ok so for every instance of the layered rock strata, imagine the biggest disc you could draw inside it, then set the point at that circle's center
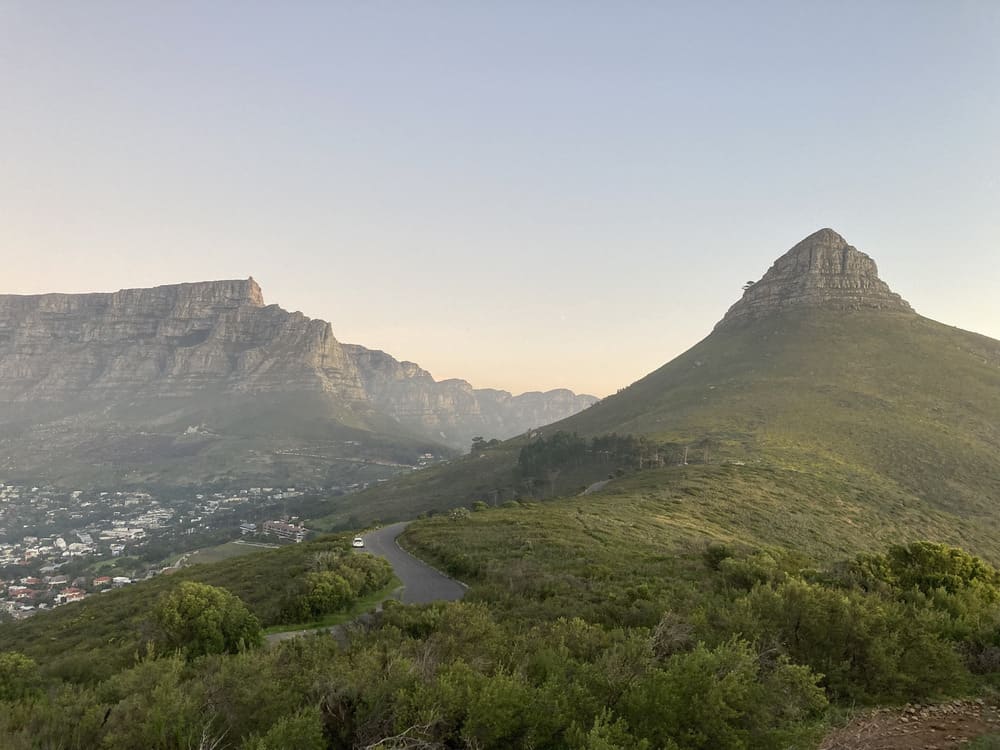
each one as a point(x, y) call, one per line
point(820, 271)
point(452, 410)
point(168, 341)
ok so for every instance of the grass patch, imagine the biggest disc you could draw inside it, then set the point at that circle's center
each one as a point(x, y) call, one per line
point(986, 742)
point(226, 551)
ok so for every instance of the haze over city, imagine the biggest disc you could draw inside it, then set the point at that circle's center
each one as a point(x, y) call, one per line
point(524, 197)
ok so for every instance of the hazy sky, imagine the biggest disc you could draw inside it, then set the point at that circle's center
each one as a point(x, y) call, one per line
point(523, 194)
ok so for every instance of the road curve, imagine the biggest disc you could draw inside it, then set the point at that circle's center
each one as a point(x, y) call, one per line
point(421, 583)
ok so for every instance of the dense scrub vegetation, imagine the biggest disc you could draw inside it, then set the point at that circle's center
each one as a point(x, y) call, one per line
point(918, 622)
point(586, 634)
point(753, 665)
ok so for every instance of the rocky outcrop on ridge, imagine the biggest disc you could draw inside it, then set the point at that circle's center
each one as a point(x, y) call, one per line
point(820, 271)
point(452, 410)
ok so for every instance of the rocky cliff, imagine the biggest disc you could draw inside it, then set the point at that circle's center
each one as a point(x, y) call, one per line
point(452, 410)
point(168, 341)
point(205, 382)
point(187, 383)
point(820, 271)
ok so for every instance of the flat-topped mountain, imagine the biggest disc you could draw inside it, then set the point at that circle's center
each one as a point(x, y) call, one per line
point(185, 383)
point(171, 341)
point(205, 382)
point(820, 271)
point(452, 410)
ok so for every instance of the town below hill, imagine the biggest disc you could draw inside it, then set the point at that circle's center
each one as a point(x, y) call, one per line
point(58, 547)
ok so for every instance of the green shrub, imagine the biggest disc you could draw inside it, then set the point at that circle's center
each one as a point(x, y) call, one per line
point(198, 619)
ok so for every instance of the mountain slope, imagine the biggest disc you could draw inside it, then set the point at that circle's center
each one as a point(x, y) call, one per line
point(826, 366)
point(820, 368)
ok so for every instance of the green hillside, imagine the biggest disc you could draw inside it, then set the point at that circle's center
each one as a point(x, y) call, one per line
point(892, 396)
point(213, 437)
point(894, 402)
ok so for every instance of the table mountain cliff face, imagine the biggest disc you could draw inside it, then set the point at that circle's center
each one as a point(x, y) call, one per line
point(452, 410)
point(205, 382)
point(168, 341)
point(820, 271)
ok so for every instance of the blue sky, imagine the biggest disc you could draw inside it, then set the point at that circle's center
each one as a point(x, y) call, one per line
point(525, 195)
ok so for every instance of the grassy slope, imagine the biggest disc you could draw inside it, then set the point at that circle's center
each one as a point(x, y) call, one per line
point(898, 397)
point(590, 555)
point(433, 488)
point(899, 405)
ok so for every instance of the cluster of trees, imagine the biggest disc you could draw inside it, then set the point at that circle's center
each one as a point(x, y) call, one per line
point(565, 449)
point(480, 443)
point(99, 636)
point(333, 584)
point(751, 660)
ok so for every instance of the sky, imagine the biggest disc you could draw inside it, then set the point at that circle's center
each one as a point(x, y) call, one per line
point(526, 195)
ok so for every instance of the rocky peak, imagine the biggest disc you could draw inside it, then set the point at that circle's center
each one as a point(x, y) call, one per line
point(820, 271)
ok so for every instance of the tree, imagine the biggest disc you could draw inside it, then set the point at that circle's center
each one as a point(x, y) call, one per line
point(18, 676)
point(927, 566)
point(200, 619)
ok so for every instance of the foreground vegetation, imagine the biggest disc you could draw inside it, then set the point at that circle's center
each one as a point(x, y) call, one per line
point(620, 620)
point(91, 640)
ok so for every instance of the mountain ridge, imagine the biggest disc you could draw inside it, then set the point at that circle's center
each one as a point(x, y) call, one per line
point(452, 409)
point(204, 382)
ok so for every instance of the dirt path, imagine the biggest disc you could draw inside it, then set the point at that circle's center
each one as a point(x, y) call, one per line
point(938, 727)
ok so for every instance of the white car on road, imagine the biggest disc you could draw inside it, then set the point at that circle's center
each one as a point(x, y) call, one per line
point(358, 542)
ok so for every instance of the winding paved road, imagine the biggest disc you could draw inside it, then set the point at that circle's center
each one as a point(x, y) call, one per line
point(421, 583)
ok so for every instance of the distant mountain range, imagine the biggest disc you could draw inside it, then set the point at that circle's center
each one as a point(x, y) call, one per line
point(452, 411)
point(820, 369)
point(204, 382)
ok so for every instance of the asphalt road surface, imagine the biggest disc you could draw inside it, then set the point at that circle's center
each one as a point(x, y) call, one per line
point(421, 583)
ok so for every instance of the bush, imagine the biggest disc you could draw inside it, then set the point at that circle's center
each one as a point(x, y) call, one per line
point(724, 699)
point(19, 676)
point(199, 619)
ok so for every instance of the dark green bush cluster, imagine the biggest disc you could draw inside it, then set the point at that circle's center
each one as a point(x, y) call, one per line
point(912, 624)
point(563, 449)
point(199, 619)
point(335, 581)
point(445, 676)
